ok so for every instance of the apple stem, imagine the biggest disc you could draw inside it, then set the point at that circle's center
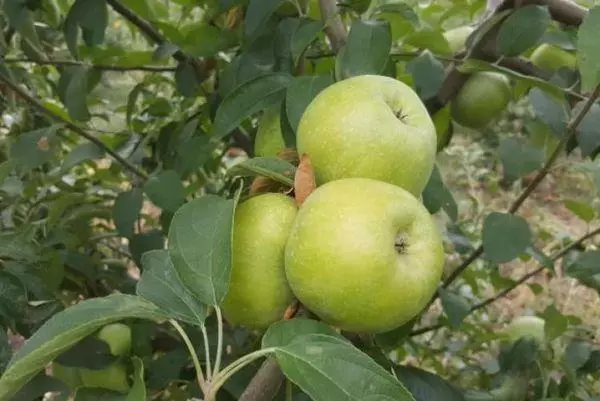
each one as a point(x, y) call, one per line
point(400, 243)
point(199, 375)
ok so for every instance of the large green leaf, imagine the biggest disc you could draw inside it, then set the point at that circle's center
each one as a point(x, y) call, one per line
point(200, 246)
point(505, 237)
point(427, 73)
point(65, 329)
point(126, 210)
point(165, 190)
point(367, 50)
point(588, 50)
point(426, 386)
point(161, 285)
point(522, 29)
point(258, 13)
point(250, 97)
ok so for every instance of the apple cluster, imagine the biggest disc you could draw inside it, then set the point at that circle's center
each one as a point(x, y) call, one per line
point(361, 252)
point(112, 377)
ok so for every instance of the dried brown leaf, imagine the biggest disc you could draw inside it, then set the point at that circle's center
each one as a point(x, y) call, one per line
point(304, 181)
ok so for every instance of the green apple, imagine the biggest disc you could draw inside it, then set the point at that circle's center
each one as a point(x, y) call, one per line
point(289, 8)
point(552, 58)
point(369, 126)
point(67, 374)
point(481, 99)
point(258, 291)
point(314, 10)
point(269, 139)
point(457, 37)
point(114, 377)
point(364, 255)
point(118, 338)
point(531, 327)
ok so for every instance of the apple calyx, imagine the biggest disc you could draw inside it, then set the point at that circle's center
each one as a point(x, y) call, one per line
point(400, 243)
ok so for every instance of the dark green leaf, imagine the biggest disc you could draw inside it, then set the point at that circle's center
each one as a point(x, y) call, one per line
point(165, 190)
point(76, 91)
point(437, 196)
point(581, 209)
point(126, 210)
point(92, 16)
point(200, 246)
point(19, 16)
point(206, 40)
point(304, 35)
point(300, 93)
point(586, 265)
point(250, 97)
point(550, 110)
point(282, 333)
point(455, 306)
point(34, 148)
point(38, 387)
point(271, 167)
point(592, 365)
point(588, 50)
point(577, 354)
point(556, 323)
point(391, 340)
point(65, 329)
point(367, 50)
point(588, 130)
point(505, 237)
point(328, 368)
point(400, 8)
point(427, 73)
point(147, 241)
point(426, 386)
point(186, 79)
point(83, 152)
point(522, 29)
point(431, 39)
point(5, 350)
point(161, 285)
point(258, 13)
point(518, 158)
point(164, 51)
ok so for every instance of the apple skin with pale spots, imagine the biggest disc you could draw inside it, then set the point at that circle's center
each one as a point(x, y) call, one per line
point(369, 126)
point(258, 291)
point(364, 255)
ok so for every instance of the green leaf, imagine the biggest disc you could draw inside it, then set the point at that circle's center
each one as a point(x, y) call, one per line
point(75, 98)
point(455, 306)
point(583, 210)
point(147, 241)
point(393, 339)
point(329, 368)
point(81, 153)
point(592, 365)
point(588, 50)
point(284, 332)
point(427, 73)
point(586, 265)
point(65, 329)
point(550, 110)
point(37, 387)
point(271, 167)
point(186, 79)
point(200, 246)
point(34, 148)
point(165, 190)
point(367, 49)
point(426, 386)
point(5, 351)
point(161, 285)
point(258, 13)
point(206, 40)
point(126, 210)
point(20, 18)
point(556, 323)
point(576, 354)
point(588, 131)
point(437, 196)
point(522, 29)
point(305, 34)
point(164, 51)
point(300, 93)
point(16, 246)
point(505, 237)
point(250, 97)
point(431, 39)
point(400, 8)
point(518, 158)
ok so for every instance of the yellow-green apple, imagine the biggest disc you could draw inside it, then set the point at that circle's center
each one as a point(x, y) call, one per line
point(531, 327)
point(364, 255)
point(457, 37)
point(113, 377)
point(369, 126)
point(269, 139)
point(118, 338)
point(67, 374)
point(552, 58)
point(258, 291)
point(481, 99)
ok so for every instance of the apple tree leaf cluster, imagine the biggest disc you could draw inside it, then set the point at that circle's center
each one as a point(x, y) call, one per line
point(161, 235)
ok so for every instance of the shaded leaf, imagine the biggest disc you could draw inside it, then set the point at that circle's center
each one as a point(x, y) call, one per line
point(200, 246)
point(258, 13)
point(588, 130)
point(518, 158)
point(437, 196)
point(271, 167)
point(164, 51)
point(586, 265)
point(304, 180)
point(556, 323)
point(165, 190)
point(147, 241)
point(161, 285)
point(34, 148)
point(522, 29)
point(588, 50)
point(300, 93)
point(549, 110)
point(455, 307)
point(65, 329)
point(577, 354)
point(38, 387)
point(367, 49)
point(583, 210)
point(75, 97)
point(83, 152)
point(250, 97)
point(304, 35)
point(126, 210)
point(431, 39)
point(427, 73)
point(505, 237)
point(426, 386)
point(186, 79)
point(284, 332)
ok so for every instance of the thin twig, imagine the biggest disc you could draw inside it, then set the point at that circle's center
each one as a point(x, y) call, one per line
point(334, 27)
point(102, 67)
point(73, 127)
point(199, 375)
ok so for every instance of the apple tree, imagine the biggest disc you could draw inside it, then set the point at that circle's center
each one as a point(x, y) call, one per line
point(246, 200)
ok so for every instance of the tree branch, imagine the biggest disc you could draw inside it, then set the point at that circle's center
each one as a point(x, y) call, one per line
point(559, 254)
point(73, 127)
point(102, 67)
point(334, 27)
point(265, 384)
